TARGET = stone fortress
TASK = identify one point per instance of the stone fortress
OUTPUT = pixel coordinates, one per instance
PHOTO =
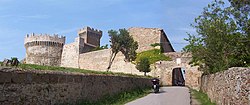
(52, 51)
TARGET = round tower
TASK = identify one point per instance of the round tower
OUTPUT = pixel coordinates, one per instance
(44, 49)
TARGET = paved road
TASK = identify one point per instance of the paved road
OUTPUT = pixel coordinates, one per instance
(167, 96)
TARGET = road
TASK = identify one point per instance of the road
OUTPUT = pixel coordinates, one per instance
(167, 96)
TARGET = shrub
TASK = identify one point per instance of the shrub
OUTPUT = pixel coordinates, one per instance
(152, 55)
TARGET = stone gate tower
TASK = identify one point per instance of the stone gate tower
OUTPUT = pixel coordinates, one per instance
(44, 49)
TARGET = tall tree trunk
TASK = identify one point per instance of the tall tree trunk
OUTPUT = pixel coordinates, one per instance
(144, 73)
(112, 57)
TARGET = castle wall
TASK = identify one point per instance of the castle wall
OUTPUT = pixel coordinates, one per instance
(86, 48)
(145, 37)
(34, 87)
(70, 55)
(44, 49)
(99, 60)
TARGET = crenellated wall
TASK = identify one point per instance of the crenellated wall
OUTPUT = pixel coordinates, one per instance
(44, 49)
(44, 37)
(91, 36)
(34, 87)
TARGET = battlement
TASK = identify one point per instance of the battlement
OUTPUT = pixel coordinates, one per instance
(44, 37)
(88, 29)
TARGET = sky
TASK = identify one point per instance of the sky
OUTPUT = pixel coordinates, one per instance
(66, 17)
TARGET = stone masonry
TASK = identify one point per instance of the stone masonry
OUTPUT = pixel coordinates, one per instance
(33, 87)
(229, 87)
(163, 69)
(44, 49)
(147, 36)
(88, 38)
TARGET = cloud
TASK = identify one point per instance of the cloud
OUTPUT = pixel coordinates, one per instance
(67, 30)
(37, 16)
(190, 30)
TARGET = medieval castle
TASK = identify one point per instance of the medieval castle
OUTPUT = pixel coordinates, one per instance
(51, 50)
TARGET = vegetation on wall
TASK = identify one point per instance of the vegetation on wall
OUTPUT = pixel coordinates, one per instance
(143, 65)
(152, 56)
(155, 44)
(100, 47)
(122, 41)
(223, 36)
(158, 44)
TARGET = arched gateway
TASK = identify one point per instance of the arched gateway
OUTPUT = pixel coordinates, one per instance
(178, 77)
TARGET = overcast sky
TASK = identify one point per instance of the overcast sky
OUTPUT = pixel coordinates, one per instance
(65, 17)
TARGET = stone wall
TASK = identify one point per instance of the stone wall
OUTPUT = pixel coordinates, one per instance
(99, 60)
(44, 55)
(70, 55)
(47, 87)
(230, 87)
(147, 36)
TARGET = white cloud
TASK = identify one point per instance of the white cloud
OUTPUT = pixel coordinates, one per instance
(67, 30)
(37, 16)
(189, 30)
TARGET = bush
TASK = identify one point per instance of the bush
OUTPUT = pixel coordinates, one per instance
(143, 65)
(152, 55)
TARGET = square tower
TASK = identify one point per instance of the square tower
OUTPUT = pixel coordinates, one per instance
(91, 36)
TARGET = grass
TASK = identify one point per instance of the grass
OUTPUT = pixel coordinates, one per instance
(153, 56)
(201, 97)
(64, 69)
(120, 98)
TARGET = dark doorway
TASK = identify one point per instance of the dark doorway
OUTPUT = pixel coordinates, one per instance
(177, 77)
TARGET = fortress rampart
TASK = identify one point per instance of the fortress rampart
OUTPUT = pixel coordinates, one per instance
(89, 30)
(44, 49)
(43, 38)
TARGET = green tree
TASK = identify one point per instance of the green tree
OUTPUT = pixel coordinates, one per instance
(143, 65)
(222, 38)
(122, 41)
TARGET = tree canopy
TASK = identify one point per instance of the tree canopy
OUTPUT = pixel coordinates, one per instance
(122, 41)
(223, 36)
